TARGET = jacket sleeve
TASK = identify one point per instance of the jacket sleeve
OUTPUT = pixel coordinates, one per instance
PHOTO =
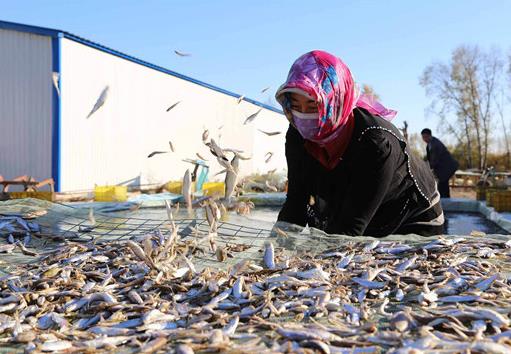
(374, 169)
(437, 149)
(294, 209)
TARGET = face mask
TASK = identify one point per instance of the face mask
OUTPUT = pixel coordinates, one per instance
(306, 123)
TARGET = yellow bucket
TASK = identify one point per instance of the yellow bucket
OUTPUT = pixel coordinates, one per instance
(212, 189)
(110, 193)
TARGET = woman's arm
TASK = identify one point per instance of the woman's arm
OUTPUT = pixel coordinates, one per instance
(294, 210)
(374, 169)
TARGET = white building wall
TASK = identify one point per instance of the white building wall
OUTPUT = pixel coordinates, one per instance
(25, 105)
(112, 145)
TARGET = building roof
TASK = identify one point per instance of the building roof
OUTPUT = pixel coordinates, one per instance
(59, 33)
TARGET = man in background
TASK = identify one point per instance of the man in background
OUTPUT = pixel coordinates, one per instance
(440, 161)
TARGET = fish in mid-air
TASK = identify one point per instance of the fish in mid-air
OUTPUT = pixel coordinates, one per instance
(100, 101)
(269, 133)
(231, 178)
(268, 156)
(173, 105)
(187, 189)
(251, 117)
(182, 54)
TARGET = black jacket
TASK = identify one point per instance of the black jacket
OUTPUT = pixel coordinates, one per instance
(440, 160)
(377, 188)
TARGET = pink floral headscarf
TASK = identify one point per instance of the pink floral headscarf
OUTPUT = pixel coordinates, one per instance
(326, 79)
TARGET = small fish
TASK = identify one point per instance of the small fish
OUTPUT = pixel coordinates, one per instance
(251, 117)
(84, 323)
(110, 331)
(24, 250)
(401, 322)
(135, 297)
(56, 345)
(168, 207)
(156, 153)
(361, 295)
(172, 106)
(368, 284)
(265, 89)
(459, 298)
(399, 295)
(269, 255)
(100, 101)
(182, 54)
(231, 178)
(345, 261)
(154, 345)
(55, 79)
(268, 156)
(171, 146)
(484, 284)
(270, 187)
(270, 133)
(230, 328)
(155, 315)
(401, 267)
(216, 150)
(241, 98)
(184, 349)
(371, 246)
(186, 189)
(237, 288)
(205, 135)
(221, 254)
(314, 273)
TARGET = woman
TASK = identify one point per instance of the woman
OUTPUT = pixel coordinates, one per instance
(349, 169)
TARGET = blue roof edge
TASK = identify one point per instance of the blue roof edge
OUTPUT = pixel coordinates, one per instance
(55, 33)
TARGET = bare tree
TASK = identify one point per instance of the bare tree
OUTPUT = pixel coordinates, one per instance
(500, 109)
(463, 94)
(405, 129)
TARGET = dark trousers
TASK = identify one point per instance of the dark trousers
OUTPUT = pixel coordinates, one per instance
(443, 189)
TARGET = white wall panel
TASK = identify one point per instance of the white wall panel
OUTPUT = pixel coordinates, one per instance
(25, 104)
(112, 146)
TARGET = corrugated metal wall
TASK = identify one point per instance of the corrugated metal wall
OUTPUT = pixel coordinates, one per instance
(112, 145)
(25, 104)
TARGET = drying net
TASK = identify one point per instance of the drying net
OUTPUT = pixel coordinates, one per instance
(59, 223)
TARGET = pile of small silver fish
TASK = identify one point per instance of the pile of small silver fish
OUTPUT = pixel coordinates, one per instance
(448, 295)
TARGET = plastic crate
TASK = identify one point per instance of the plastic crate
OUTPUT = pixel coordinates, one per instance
(176, 187)
(44, 195)
(214, 189)
(502, 201)
(489, 196)
(111, 193)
